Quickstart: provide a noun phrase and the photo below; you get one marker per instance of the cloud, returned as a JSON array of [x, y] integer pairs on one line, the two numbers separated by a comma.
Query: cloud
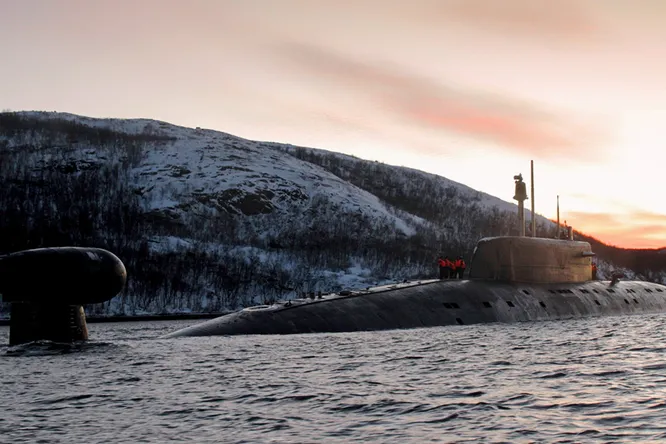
[[641, 229], [420, 102], [561, 20]]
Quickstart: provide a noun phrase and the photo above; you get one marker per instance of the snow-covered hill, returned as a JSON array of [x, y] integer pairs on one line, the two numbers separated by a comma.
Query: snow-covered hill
[[195, 169]]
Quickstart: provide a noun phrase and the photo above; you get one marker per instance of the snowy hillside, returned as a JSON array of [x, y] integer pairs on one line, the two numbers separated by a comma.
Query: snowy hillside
[[195, 169], [405, 176], [198, 169]]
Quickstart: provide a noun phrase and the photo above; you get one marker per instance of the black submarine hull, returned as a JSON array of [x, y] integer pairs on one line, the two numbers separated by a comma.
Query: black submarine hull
[[47, 288], [439, 303], [61, 275]]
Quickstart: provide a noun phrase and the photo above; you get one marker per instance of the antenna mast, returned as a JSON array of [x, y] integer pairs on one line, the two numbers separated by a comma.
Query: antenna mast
[[558, 216], [532, 192]]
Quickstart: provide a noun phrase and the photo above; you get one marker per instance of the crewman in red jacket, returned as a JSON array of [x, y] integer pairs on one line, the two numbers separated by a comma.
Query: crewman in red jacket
[[460, 267], [442, 268], [450, 267]]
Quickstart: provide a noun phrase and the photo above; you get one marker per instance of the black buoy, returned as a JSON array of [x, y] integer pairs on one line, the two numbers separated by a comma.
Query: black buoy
[[47, 288]]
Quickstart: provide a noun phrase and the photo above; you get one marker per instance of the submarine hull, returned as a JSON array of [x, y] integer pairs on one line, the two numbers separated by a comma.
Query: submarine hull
[[47, 288], [57, 323], [439, 303], [61, 275]]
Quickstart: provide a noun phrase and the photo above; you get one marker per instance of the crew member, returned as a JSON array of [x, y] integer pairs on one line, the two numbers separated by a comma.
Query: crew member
[[460, 267], [442, 268], [450, 267], [594, 271]]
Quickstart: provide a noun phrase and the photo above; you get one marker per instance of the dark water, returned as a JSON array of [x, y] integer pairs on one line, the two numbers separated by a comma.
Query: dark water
[[571, 381]]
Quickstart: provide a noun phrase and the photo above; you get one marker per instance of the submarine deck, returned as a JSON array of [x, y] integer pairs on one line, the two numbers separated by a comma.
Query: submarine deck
[[437, 303]]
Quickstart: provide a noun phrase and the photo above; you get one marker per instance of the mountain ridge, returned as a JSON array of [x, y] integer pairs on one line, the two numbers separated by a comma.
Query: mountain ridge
[[145, 126]]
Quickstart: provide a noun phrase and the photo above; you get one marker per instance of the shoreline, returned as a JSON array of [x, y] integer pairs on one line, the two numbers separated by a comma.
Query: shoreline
[[142, 318]]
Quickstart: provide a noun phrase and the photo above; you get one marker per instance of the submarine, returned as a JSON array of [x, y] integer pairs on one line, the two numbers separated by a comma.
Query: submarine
[[511, 279], [47, 288]]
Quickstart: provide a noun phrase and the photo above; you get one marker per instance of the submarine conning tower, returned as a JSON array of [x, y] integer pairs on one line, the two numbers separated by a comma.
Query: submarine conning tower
[[47, 288], [531, 260]]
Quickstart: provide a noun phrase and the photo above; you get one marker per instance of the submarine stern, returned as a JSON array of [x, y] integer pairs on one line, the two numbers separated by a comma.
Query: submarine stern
[[47, 288]]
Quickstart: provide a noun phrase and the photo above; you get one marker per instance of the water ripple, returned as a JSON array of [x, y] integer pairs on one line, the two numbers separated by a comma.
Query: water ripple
[[570, 381]]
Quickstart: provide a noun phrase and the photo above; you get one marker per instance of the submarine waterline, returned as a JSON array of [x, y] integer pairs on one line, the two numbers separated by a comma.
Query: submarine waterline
[[437, 303]]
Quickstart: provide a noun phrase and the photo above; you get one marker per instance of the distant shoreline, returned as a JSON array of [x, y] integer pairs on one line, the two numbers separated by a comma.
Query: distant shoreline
[[142, 318]]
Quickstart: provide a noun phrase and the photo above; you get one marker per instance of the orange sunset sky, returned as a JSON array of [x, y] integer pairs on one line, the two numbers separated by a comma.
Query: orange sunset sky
[[468, 89]]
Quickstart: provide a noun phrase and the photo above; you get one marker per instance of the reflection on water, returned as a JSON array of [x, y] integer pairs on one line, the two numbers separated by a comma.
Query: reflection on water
[[566, 381]]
